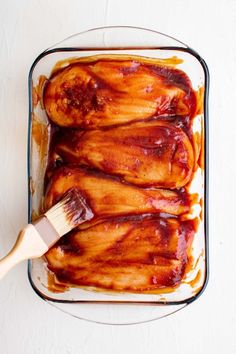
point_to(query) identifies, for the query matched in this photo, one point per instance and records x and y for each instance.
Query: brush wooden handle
(29, 244)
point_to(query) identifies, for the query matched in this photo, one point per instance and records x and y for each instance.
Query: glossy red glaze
(122, 139)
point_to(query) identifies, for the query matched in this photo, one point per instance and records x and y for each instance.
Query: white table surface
(29, 325)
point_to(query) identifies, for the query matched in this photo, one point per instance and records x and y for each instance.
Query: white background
(27, 324)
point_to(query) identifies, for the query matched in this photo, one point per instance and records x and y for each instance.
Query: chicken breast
(108, 92)
(108, 197)
(124, 254)
(154, 154)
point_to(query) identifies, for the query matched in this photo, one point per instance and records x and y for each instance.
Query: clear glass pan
(99, 306)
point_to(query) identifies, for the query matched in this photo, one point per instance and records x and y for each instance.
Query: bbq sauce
(83, 98)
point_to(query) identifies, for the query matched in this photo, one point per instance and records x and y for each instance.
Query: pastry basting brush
(35, 239)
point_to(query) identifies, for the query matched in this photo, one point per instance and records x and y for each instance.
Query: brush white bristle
(69, 212)
(58, 217)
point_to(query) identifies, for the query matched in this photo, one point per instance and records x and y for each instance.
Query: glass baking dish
(101, 306)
